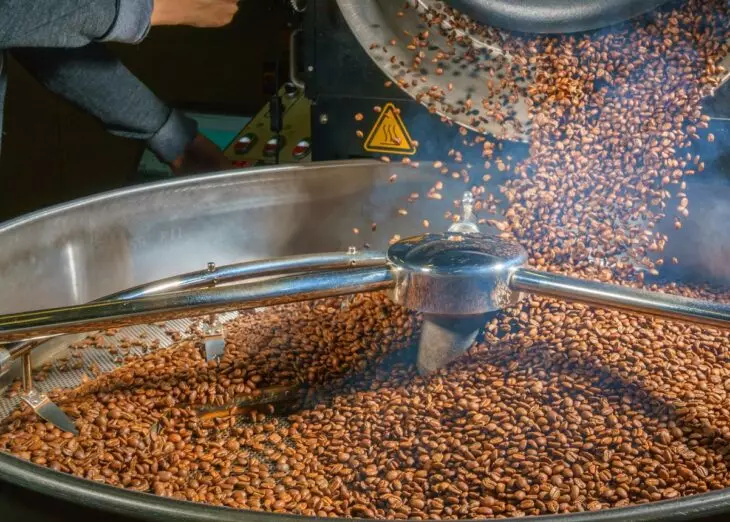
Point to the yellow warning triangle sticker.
(389, 135)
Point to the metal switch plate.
(215, 344)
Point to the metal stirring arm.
(457, 278)
(615, 296)
(464, 275)
(189, 303)
(211, 277)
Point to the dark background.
(52, 152)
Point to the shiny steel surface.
(81, 251)
(468, 222)
(226, 274)
(613, 296)
(98, 246)
(214, 275)
(445, 338)
(214, 343)
(375, 23)
(455, 274)
(471, 274)
(27, 378)
(191, 303)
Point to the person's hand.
(195, 13)
(202, 156)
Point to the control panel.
(257, 144)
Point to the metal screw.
(310, 68)
(211, 266)
(323, 119)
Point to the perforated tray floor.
(103, 359)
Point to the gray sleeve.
(72, 23)
(93, 79)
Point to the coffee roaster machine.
(294, 224)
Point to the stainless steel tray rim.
(185, 182)
(146, 506)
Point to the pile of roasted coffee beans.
(561, 408)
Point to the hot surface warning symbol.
(389, 135)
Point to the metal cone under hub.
(454, 279)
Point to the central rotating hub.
(454, 279)
(455, 274)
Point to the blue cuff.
(132, 23)
(174, 136)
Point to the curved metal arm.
(253, 269)
(116, 314)
(225, 274)
(128, 308)
(613, 296)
